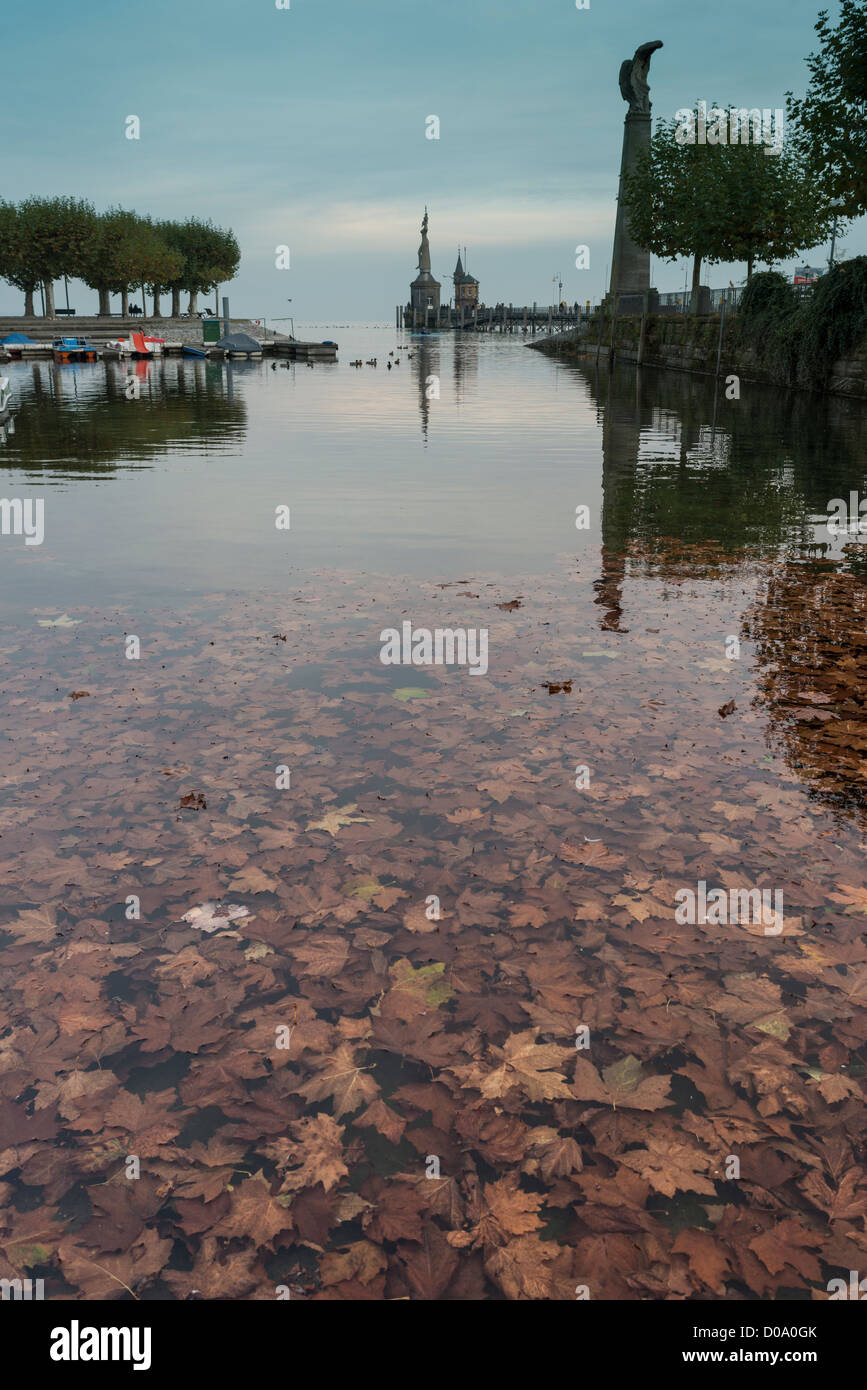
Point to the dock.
(177, 334)
(496, 318)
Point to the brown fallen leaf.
(530, 1066)
(348, 1085)
(622, 1084)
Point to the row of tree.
(734, 202)
(114, 252)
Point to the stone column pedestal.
(630, 266)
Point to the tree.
(128, 249)
(115, 256)
(210, 255)
(158, 262)
(828, 122)
(773, 207)
(15, 265)
(55, 238)
(665, 194)
(723, 202)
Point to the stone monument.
(630, 266)
(424, 292)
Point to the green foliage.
(50, 238)
(770, 318)
(837, 318)
(127, 250)
(210, 254)
(805, 337)
(768, 292)
(43, 239)
(158, 263)
(15, 266)
(828, 122)
(723, 203)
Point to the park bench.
(63, 313)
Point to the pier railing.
(496, 318)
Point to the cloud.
(393, 225)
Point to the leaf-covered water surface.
(316, 977)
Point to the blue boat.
(193, 351)
(74, 350)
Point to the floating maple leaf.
(348, 1085)
(210, 917)
(35, 924)
(530, 1066)
(63, 621)
(322, 955)
(333, 821)
(671, 1166)
(622, 1084)
(425, 983)
(855, 899)
(255, 1214)
(525, 1268)
(415, 919)
(317, 1149)
(593, 854)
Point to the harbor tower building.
(466, 287)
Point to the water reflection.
(685, 500)
(426, 370)
(760, 478)
(81, 419)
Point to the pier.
(497, 318)
(176, 333)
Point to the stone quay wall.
(685, 344)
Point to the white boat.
(5, 397)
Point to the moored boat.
(74, 350)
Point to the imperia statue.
(633, 77)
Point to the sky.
(306, 127)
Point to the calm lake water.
(454, 1041)
(175, 493)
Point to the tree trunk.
(48, 286)
(750, 260)
(28, 304)
(157, 305)
(104, 303)
(193, 305)
(696, 283)
(124, 302)
(176, 303)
